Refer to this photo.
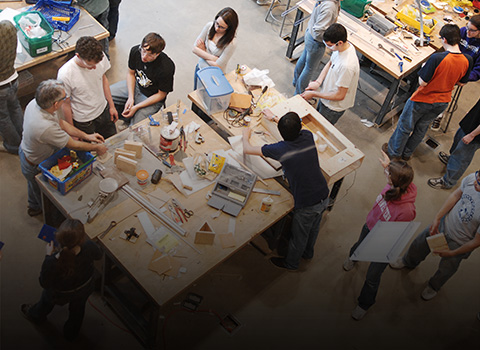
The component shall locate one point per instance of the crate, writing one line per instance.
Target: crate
(35, 46)
(50, 9)
(83, 172)
(356, 8)
(214, 89)
(407, 16)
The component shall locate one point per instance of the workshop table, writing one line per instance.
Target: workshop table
(366, 42)
(86, 26)
(130, 260)
(335, 165)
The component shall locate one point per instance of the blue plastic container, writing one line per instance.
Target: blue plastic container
(214, 89)
(50, 8)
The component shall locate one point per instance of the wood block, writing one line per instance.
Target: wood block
(176, 265)
(240, 100)
(204, 238)
(227, 240)
(137, 147)
(104, 157)
(125, 153)
(127, 165)
(437, 242)
(159, 263)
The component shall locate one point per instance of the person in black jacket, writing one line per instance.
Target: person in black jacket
(66, 277)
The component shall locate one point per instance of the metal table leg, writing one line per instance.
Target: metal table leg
(386, 104)
(452, 107)
(334, 193)
(293, 37)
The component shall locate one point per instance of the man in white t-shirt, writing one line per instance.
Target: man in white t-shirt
(459, 220)
(89, 105)
(339, 78)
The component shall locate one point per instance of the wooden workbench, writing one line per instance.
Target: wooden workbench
(335, 165)
(86, 26)
(132, 259)
(366, 42)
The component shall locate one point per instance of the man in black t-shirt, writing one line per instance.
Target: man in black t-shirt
(465, 143)
(149, 80)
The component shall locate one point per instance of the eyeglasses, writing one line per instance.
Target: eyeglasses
(472, 30)
(220, 26)
(476, 178)
(63, 98)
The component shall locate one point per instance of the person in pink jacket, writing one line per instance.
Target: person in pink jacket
(396, 202)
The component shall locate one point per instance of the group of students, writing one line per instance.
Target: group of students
(91, 107)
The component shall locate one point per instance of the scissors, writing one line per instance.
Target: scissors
(174, 214)
(185, 212)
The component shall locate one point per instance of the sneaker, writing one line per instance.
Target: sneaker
(280, 263)
(398, 264)
(405, 158)
(428, 293)
(358, 313)
(443, 157)
(348, 264)
(263, 3)
(24, 309)
(436, 124)
(121, 125)
(34, 212)
(438, 183)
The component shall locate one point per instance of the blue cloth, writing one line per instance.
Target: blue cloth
(412, 127)
(307, 67)
(331, 115)
(11, 117)
(471, 46)
(299, 159)
(30, 171)
(305, 226)
(419, 250)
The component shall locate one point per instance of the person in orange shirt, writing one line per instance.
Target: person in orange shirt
(437, 78)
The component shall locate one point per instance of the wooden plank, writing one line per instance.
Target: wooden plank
(134, 146)
(127, 165)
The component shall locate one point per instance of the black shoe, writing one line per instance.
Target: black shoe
(24, 309)
(280, 262)
(438, 183)
(443, 157)
(34, 212)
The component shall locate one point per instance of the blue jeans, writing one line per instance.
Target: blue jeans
(461, 156)
(308, 64)
(120, 96)
(329, 114)
(305, 227)
(374, 274)
(11, 118)
(418, 251)
(412, 127)
(30, 171)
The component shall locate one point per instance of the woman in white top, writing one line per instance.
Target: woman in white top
(216, 43)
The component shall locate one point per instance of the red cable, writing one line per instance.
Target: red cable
(108, 319)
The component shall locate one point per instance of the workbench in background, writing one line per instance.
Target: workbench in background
(366, 42)
(126, 263)
(341, 157)
(86, 26)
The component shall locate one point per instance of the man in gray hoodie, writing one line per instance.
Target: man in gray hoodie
(324, 14)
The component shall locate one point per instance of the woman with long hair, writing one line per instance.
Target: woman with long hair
(216, 43)
(396, 202)
(66, 277)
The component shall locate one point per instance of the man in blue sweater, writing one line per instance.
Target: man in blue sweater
(299, 158)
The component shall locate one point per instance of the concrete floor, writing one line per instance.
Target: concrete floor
(305, 310)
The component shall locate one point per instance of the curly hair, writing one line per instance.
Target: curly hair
(88, 48)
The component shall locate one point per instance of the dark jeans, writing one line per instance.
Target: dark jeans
(374, 274)
(113, 15)
(102, 124)
(76, 307)
(331, 115)
(103, 20)
(11, 117)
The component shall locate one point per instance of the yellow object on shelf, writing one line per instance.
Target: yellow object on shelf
(63, 19)
(409, 15)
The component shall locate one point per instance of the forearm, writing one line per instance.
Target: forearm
(476, 131)
(72, 130)
(449, 204)
(159, 96)
(82, 146)
(249, 149)
(323, 73)
(468, 247)
(204, 54)
(131, 83)
(337, 95)
(67, 111)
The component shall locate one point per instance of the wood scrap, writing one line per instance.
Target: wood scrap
(137, 147)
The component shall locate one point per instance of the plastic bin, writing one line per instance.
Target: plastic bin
(356, 8)
(50, 9)
(214, 89)
(83, 172)
(35, 46)
(407, 16)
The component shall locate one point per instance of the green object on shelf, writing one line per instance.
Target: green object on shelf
(35, 46)
(356, 8)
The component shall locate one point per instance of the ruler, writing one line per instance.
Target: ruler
(261, 190)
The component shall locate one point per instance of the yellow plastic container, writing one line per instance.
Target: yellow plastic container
(407, 16)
